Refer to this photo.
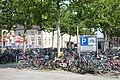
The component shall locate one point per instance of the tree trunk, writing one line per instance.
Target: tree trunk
(69, 43)
(53, 39)
(24, 41)
(58, 26)
(105, 41)
(108, 42)
(0, 34)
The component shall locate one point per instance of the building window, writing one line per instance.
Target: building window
(32, 39)
(39, 32)
(49, 41)
(45, 41)
(32, 33)
(33, 43)
(39, 41)
(19, 33)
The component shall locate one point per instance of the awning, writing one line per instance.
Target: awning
(20, 40)
(5, 40)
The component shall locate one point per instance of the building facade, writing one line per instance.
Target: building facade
(36, 38)
(40, 39)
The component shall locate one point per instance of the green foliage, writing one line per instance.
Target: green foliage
(104, 14)
(109, 16)
(23, 15)
(50, 21)
(97, 13)
(68, 24)
(6, 14)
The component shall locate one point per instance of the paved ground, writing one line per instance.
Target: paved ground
(11, 73)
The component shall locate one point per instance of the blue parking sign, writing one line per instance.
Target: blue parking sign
(83, 41)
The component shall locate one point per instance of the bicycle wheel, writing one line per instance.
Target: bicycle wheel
(83, 68)
(107, 67)
(36, 65)
(104, 68)
(22, 64)
(57, 65)
(73, 68)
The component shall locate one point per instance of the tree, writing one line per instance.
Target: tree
(24, 16)
(50, 21)
(7, 11)
(103, 14)
(68, 24)
(6, 15)
(105, 17)
(36, 14)
(58, 4)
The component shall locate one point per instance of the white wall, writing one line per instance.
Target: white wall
(46, 39)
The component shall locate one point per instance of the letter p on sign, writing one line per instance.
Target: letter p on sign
(84, 41)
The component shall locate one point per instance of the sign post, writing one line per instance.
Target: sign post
(88, 43)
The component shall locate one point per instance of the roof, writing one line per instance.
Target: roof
(18, 27)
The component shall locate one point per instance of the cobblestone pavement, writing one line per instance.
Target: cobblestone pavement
(11, 73)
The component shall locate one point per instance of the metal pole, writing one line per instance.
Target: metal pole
(77, 39)
(2, 42)
(62, 41)
(97, 45)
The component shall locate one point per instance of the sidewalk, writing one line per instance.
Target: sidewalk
(9, 65)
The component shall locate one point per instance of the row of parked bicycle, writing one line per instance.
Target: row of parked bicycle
(8, 56)
(82, 62)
